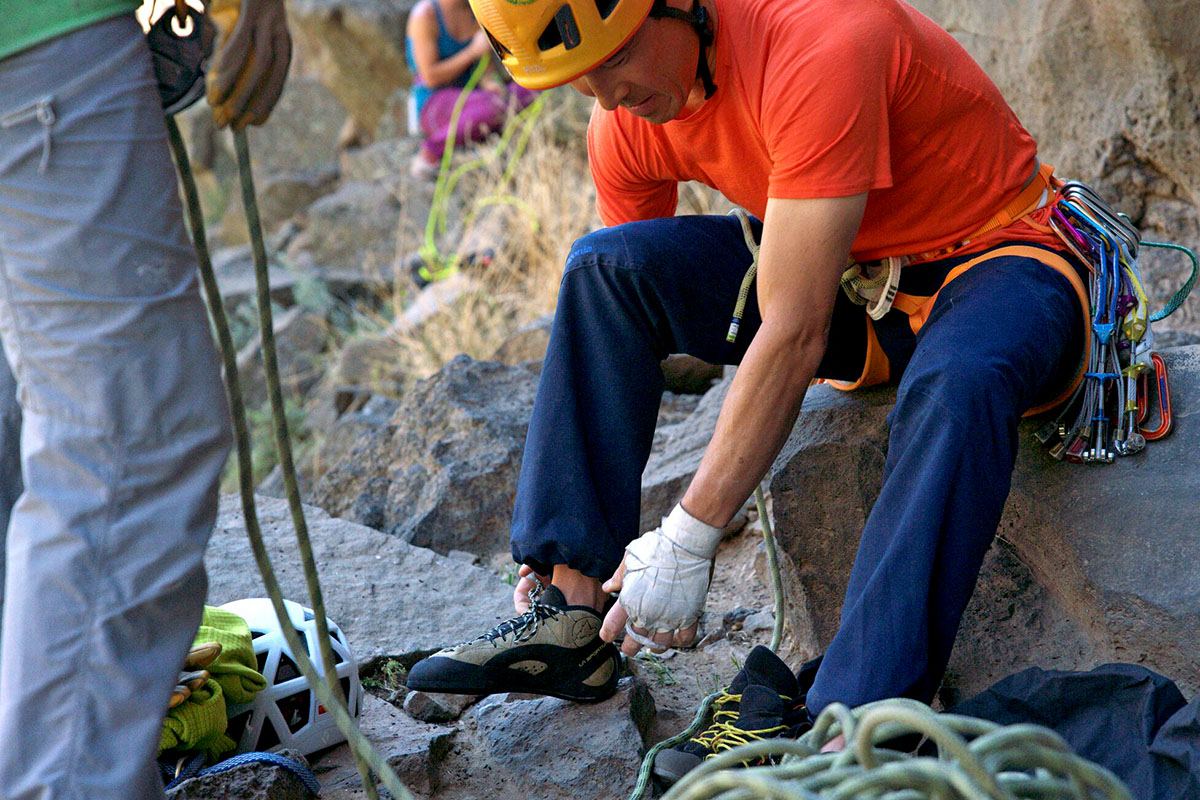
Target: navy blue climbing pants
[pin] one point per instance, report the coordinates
(1000, 338)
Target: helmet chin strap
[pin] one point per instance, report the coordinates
(701, 23)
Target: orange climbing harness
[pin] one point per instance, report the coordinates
(879, 292)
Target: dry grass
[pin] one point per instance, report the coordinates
(548, 203)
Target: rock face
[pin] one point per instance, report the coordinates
(1110, 91)
(540, 747)
(357, 47)
(390, 598)
(444, 473)
(1092, 564)
(675, 457)
(351, 231)
(300, 339)
(413, 749)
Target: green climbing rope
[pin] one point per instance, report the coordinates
(1176, 299)
(368, 760)
(975, 760)
(643, 779)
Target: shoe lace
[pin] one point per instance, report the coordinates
(722, 717)
(523, 626)
(723, 734)
(731, 736)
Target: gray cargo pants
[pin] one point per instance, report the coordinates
(124, 424)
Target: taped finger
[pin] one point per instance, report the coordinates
(639, 635)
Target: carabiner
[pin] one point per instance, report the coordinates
(1164, 400)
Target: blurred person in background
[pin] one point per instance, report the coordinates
(444, 45)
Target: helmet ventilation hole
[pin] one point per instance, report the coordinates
(605, 7)
(501, 51)
(561, 30)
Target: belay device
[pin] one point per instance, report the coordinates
(1112, 403)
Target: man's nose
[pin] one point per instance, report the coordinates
(607, 91)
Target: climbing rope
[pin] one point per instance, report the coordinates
(975, 760)
(643, 779)
(328, 691)
(1176, 299)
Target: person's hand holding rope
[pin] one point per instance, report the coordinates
(251, 62)
(662, 581)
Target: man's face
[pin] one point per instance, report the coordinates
(653, 76)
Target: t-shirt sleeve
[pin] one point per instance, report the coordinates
(825, 108)
(623, 192)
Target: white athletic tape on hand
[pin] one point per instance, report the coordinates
(667, 572)
(644, 641)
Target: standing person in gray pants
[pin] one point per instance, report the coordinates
(113, 421)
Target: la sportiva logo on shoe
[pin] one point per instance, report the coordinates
(592, 655)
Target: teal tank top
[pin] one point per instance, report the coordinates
(447, 46)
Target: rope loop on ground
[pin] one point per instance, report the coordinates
(974, 760)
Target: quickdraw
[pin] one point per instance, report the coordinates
(1111, 405)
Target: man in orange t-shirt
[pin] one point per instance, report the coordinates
(856, 128)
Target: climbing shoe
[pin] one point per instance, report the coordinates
(762, 702)
(553, 648)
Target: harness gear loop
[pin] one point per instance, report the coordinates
(874, 284)
(700, 22)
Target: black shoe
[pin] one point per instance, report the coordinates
(553, 648)
(760, 703)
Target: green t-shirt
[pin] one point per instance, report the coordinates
(24, 23)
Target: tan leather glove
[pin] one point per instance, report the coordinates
(193, 675)
(251, 63)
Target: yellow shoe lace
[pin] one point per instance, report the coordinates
(724, 735)
(723, 717)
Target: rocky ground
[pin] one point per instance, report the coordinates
(409, 454)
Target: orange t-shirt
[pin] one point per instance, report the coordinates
(827, 99)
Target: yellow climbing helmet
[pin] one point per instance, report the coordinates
(546, 43)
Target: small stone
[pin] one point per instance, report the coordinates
(759, 621)
(732, 620)
(433, 707)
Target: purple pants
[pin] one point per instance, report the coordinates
(482, 113)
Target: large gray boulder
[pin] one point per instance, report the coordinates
(543, 748)
(1092, 564)
(675, 457)
(413, 749)
(444, 473)
(255, 781)
(390, 598)
(351, 232)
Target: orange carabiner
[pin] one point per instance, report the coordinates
(1164, 400)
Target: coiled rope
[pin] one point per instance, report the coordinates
(975, 760)
(328, 692)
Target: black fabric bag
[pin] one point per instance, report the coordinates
(1126, 718)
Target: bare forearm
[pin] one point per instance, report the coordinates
(755, 421)
(440, 73)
